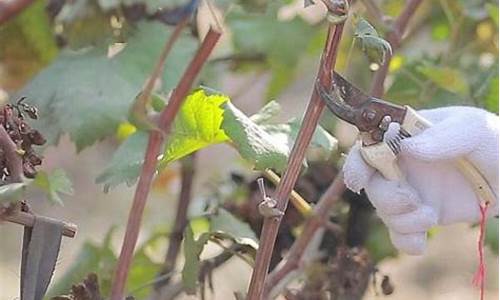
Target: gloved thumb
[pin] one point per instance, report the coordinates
(448, 139)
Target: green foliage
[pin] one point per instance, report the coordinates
(101, 259)
(92, 257)
(374, 47)
(12, 192)
(282, 42)
(192, 250)
(491, 239)
(287, 132)
(27, 45)
(54, 184)
(87, 94)
(446, 78)
(252, 142)
(197, 125)
(491, 99)
(126, 162)
(221, 225)
(205, 120)
(379, 243)
(227, 225)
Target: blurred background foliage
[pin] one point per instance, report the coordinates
(83, 62)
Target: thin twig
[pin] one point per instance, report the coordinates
(9, 9)
(310, 121)
(13, 160)
(317, 220)
(150, 160)
(175, 237)
(297, 200)
(394, 37)
(173, 290)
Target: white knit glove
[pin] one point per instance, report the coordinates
(435, 192)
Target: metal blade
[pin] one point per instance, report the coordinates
(348, 93)
(370, 115)
(39, 256)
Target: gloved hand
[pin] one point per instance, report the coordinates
(434, 192)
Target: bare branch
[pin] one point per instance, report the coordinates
(317, 220)
(313, 112)
(152, 151)
(14, 161)
(175, 238)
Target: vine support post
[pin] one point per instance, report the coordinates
(310, 121)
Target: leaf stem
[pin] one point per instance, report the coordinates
(394, 37)
(311, 118)
(149, 167)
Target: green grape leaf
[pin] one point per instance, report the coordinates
(447, 78)
(287, 133)
(54, 184)
(491, 99)
(493, 12)
(491, 238)
(282, 43)
(379, 243)
(12, 192)
(197, 125)
(126, 162)
(266, 113)
(192, 250)
(374, 46)
(92, 257)
(253, 143)
(87, 94)
(223, 222)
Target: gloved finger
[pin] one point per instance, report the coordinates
(413, 243)
(357, 172)
(454, 136)
(391, 197)
(419, 220)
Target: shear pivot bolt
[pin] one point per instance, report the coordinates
(369, 115)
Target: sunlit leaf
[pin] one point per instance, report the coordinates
(54, 184)
(493, 12)
(197, 125)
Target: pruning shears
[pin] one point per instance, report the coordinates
(372, 117)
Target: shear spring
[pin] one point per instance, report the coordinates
(395, 143)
